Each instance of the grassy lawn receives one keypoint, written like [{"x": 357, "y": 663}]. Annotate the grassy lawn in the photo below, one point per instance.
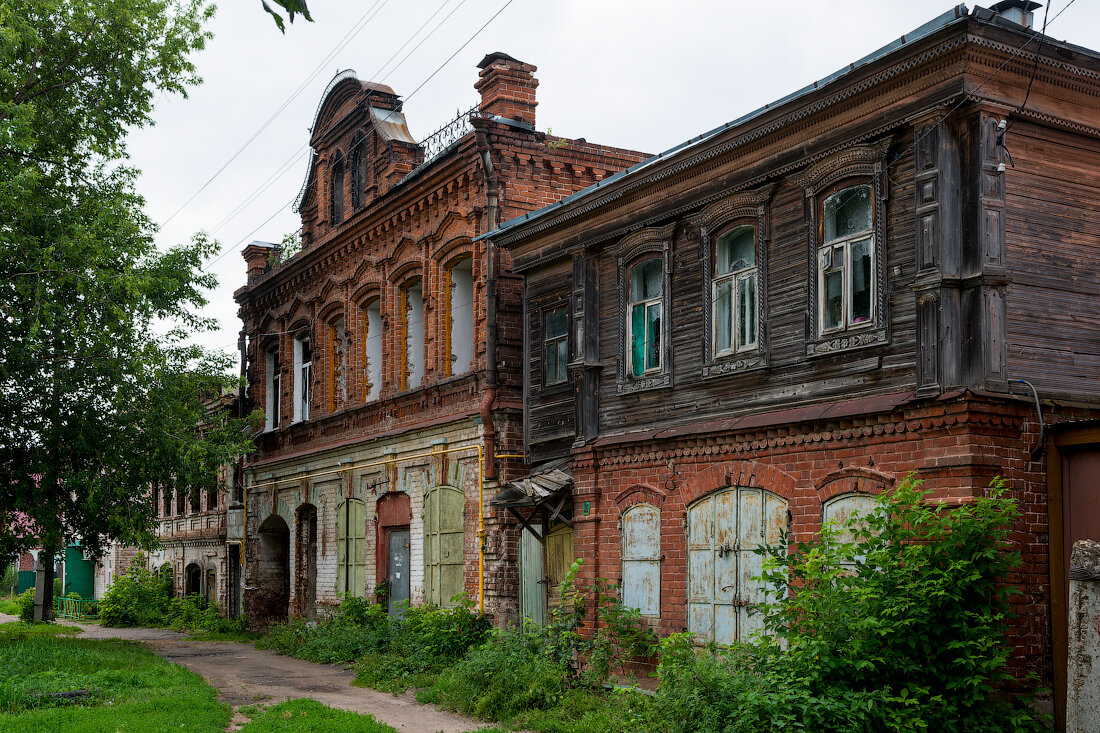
[
  {"x": 309, "y": 716},
  {"x": 127, "y": 687},
  {"x": 8, "y": 605}
]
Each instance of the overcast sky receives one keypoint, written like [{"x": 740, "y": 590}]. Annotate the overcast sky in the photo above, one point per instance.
[{"x": 636, "y": 74}]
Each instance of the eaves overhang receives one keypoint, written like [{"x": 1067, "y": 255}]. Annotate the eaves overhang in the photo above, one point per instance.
[{"x": 611, "y": 187}]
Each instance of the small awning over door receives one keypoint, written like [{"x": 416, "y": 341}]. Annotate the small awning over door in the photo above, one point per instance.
[{"x": 546, "y": 489}]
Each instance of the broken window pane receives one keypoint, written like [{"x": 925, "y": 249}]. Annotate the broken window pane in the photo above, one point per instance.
[{"x": 848, "y": 212}]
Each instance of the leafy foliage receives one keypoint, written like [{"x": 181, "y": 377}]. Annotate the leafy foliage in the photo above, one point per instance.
[
  {"x": 898, "y": 629},
  {"x": 309, "y": 716},
  {"x": 101, "y": 398},
  {"x": 25, "y": 603},
  {"x": 141, "y": 597},
  {"x": 292, "y": 8}
]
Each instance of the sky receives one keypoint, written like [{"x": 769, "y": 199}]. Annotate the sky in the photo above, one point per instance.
[{"x": 637, "y": 74}]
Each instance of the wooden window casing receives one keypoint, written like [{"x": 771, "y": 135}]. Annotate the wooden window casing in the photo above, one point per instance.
[
  {"x": 846, "y": 260},
  {"x": 645, "y": 316},
  {"x": 303, "y": 376},
  {"x": 645, "y": 338},
  {"x": 555, "y": 346},
  {"x": 735, "y": 291}
]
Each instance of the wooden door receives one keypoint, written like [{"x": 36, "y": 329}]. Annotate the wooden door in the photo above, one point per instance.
[
  {"x": 444, "y": 512},
  {"x": 351, "y": 548},
  {"x": 724, "y": 529},
  {"x": 559, "y": 558},
  {"x": 641, "y": 581},
  {"x": 532, "y": 578}
]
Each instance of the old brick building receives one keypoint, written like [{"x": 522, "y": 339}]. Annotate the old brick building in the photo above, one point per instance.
[
  {"x": 386, "y": 354},
  {"x": 771, "y": 323}
]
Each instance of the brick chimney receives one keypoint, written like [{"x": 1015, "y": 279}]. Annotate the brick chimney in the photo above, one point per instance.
[
  {"x": 256, "y": 257},
  {"x": 507, "y": 87}
]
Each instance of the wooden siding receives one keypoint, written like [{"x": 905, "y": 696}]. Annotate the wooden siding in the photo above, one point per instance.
[
  {"x": 550, "y": 408},
  {"x": 791, "y": 378},
  {"x": 1053, "y": 242}
]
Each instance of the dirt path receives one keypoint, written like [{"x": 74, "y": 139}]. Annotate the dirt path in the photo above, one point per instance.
[{"x": 244, "y": 675}]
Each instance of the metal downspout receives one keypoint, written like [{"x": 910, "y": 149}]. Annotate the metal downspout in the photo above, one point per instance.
[{"x": 489, "y": 398}]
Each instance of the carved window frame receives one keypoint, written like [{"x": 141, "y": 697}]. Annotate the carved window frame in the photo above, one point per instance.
[
  {"x": 556, "y": 341},
  {"x": 714, "y": 221},
  {"x": 632, "y": 250},
  {"x": 859, "y": 164}
]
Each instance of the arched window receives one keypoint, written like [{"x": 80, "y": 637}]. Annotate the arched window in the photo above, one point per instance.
[
  {"x": 372, "y": 349},
  {"x": 643, "y": 320},
  {"x": 412, "y": 326},
  {"x": 272, "y": 387},
  {"x": 734, "y": 291},
  {"x": 460, "y": 316},
  {"x": 303, "y": 376},
  {"x": 846, "y": 259},
  {"x": 845, "y": 511},
  {"x": 641, "y": 581},
  {"x": 338, "y": 363},
  {"x": 336, "y": 191},
  {"x": 358, "y": 174}
]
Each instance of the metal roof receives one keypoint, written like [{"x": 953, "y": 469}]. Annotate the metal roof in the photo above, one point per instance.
[
  {"x": 957, "y": 13},
  {"x": 541, "y": 485}
]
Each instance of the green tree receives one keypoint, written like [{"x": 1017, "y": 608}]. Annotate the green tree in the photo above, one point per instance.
[
  {"x": 101, "y": 396},
  {"x": 292, "y": 8}
]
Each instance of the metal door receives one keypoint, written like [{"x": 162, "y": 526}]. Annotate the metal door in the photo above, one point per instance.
[
  {"x": 724, "y": 529},
  {"x": 559, "y": 558},
  {"x": 397, "y": 567},
  {"x": 532, "y": 578},
  {"x": 444, "y": 510}
]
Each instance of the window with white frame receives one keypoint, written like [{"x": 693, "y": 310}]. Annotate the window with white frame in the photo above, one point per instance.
[
  {"x": 734, "y": 291},
  {"x": 372, "y": 350},
  {"x": 413, "y": 327},
  {"x": 555, "y": 351},
  {"x": 303, "y": 376},
  {"x": 643, "y": 320},
  {"x": 338, "y": 362},
  {"x": 272, "y": 384},
  {"x": 845, "y": 260},
  {"x": 460, "y": 325}
]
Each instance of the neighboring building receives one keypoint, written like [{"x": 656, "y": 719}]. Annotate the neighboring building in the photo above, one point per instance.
[
  {"x": 386, "y": 354},
  {"x": 201, "y": 534},
  {"x": 765, "y": 326}
]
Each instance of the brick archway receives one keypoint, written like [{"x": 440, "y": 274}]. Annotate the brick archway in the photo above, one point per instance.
[{"x": 748, "y": 474}]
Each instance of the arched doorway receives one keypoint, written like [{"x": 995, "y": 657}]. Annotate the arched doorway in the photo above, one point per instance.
[
  {"x": 272, "y": 597},
  {"x": 169, "y": 579},
  {"x": 305, "y": 548},
  {"x": 444, "y": 513},
  {"x": 724, "y": 530},
  {"x": 210, "y": 586},
  {"x": 393, "y": 547},
  {"x": 192, "y": 580}
]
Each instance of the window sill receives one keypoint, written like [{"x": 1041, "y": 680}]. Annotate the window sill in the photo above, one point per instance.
[
  {"x": 857, "y": 337},
  {"x": 644, "y": 383},
  {"x": 736, "y": 363}
]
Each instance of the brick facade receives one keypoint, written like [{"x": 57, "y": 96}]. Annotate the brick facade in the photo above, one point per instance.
[{"x": 382, "y": 216}]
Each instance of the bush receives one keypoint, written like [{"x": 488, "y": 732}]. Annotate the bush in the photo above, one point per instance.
[
  {"x": 138, "y": 598},
  {"x": 25, "y": 600},
  {"x": 8, "y": 579},
  {"x": 899, "y": 629}
]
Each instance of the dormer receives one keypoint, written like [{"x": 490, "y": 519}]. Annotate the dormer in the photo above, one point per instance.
[{"x": 361, "y": 147}]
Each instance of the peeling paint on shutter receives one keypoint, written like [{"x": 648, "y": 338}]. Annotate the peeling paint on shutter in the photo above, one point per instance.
[
  {"x": 444, "y": 510},
  {"x": 642, "y": 559}
]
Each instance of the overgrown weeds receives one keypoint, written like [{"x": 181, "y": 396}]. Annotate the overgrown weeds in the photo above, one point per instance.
[{"x": 142, "y": 597}]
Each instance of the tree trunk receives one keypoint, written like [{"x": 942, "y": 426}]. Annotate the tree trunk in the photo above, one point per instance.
[{"x": 43, "y": 583}]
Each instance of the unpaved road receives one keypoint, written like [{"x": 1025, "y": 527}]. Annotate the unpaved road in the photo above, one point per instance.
[{"x": 244, "y": 675}]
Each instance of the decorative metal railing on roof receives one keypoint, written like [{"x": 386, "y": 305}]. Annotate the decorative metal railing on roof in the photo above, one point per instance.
[{"x": 447, "y": 135}]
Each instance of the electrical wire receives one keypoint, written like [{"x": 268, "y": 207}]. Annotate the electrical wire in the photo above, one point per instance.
[{"x": 354, "y": 31}]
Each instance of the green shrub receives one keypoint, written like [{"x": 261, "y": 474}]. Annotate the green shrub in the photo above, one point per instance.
[
  {"x": 7, "y": 580},
  {"x": 137, "y": 598},
  {"x": 25, "y": 601},
  {"x": 899, "y": 629}
]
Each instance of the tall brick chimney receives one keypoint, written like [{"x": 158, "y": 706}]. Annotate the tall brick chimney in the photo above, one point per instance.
[
  {"x": 256, "y": 258},
  {"x": 507, "y": 87}
]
